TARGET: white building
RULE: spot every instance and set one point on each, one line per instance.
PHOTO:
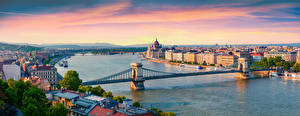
(12, 71)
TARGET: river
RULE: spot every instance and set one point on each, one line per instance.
(209, 95)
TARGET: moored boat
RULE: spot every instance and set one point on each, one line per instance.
(191, 66)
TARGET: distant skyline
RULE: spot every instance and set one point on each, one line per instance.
(129, 22)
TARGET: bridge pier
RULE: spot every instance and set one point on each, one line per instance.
(137, 76)
(243, 66)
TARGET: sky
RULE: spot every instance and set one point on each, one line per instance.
(128, 22)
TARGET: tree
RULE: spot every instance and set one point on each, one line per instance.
(58, 110)
(83, 88)
(107, 94)
(34, 102)
(161, 113)
(71, 80)
(136, 104)
(96, 90)
(296, 67)
(11, 95)
(119, 98)
(204, 63)
(20, 88)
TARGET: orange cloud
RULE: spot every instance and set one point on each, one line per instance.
(175, 25)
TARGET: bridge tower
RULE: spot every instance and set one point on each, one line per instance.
(244, 67)
(137, 76)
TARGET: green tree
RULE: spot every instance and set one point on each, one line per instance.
(161, 113)
(204, 63)
(83, 88)
(296, 67)
(107, 94)
(97, 91)
(32, 110)
(119, 98)
(58, 110)
(136, 104)
(71, 80)
(11, 95)
(34, 102)
(20, 88)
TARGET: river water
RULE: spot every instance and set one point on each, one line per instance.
(208, 95)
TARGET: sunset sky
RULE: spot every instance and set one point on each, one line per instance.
(127, 22)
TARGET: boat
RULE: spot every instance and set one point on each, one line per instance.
(190, 66)
(291, 76)
(61, 64)
(65, 63)
(274, 74)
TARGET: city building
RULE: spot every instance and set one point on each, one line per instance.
(243, 54)
(209, 58)
(43, 84)
(287, 56)
(155, 50)
(191, 57)
(45, 72)
(227, 60)
(298, 57)
(11, 71)
(67, 99)
(178, 56)
(169, 55)
(92, 105)
(257, 56)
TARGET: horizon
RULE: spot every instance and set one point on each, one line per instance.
(130, 22)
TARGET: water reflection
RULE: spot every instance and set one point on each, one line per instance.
(212, 95)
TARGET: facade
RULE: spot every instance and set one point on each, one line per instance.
(298, 57)
(43, 84)
(45, 72)
(287, 56)
(12, 71)
(226, 60)
(169, 55)
(178, 56)
(209, 58)
(67, 99)
(243, 55)
(257, 57)
(185, 57)
(155, 51)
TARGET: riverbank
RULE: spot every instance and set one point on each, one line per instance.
(171, 63)
(56, 59)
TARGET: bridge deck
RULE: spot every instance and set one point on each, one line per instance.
(152, 77)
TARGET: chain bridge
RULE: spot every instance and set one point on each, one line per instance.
(148, 74)
(137, 75)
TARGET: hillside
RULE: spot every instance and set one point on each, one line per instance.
(14, 47)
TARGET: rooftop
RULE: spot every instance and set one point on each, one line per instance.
(67, 95)
(95, 98)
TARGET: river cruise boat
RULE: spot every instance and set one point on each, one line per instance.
(274, 74)
(291, 76)
(190, 66)
(65, 63)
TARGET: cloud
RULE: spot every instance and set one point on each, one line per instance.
(124, 23)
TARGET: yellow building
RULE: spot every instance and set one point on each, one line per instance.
(209, 58)
(67, 99)
(227, 60)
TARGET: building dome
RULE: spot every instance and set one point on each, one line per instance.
(156, 43)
